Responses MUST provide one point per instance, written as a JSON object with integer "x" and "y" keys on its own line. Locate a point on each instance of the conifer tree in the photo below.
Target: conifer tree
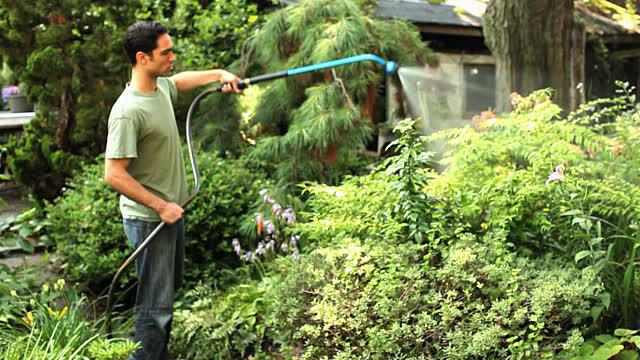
{"x": 69, "y": 55}
{"x": 310, "y": 123}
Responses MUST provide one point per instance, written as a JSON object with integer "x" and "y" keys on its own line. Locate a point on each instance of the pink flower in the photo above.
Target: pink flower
{"x": 557, "y": 175}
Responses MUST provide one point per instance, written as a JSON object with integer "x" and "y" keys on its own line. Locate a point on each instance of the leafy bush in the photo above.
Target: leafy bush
{"x": 227, "y": 324}
{"x": 229, "y": 193}
{"x": 474, "y": 298}
{"x": 86, "y": 228}
{"x": 555, "y": 186}
{"x": 112, "y": 349}
{"x": 24, "y": 230}
{"x": 367, "y": 287}
{"x": 86, "y": 225}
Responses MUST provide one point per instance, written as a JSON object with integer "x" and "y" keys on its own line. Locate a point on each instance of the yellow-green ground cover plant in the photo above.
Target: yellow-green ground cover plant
{"x": 53, "y": 321}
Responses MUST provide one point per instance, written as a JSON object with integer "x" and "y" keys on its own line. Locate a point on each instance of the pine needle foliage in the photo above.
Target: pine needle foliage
{"x": 311, "y": 124}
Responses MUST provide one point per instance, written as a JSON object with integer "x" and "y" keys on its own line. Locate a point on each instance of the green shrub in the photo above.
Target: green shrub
{"x": 36, "y": 161}
{"x": 217, "y": 215}
{"x": 492, "y": 277}
{"x": 86, "y": 228}
{"x": 557, "y": 187}
{"x": 225, "y": 324}
{"x": 23, "y": 229}
{"x": 364, "y": 290}
{"x": 112, "y": 349}
{"x": 86, "y": 225}
{"x": 74, "y": 69}
{"x": 373, "y": 297}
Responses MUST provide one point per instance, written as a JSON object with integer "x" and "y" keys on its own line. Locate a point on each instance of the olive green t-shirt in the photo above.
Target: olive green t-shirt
{"x": 142, "y": 127}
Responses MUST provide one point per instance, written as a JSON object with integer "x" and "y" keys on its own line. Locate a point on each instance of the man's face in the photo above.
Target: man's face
{"x": 160, "y": 63}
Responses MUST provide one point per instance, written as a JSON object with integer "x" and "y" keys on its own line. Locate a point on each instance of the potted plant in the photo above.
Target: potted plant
{"x": 17, "y": 101}
{"x": 11, "y": 93}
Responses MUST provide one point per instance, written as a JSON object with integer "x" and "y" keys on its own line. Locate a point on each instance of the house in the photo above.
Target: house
{"x": 463, "y": 82}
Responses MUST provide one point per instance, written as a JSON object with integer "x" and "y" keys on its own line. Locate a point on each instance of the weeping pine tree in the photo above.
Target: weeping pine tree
{"x": 313, "y": 123}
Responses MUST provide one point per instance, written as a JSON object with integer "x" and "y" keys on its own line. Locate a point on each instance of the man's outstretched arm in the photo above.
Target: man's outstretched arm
{"x": 189, "y": 80}
{"x": 116, "y": 176}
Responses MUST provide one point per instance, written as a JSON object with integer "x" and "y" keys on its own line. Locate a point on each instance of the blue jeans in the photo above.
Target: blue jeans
{"x": 160, "y": 269}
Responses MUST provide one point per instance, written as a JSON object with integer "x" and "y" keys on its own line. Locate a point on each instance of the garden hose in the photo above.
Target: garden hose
{"x": 390, "y": 68}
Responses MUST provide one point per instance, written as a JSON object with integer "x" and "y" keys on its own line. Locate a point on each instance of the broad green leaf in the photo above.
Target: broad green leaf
{"x": 628, "y": 355}
{"x": 624, "y": 332}
{"x": 605, "y": 352}
{"x": 606, "y": 299}
{"x": 581, "y": 255}
{"x": 25, "y": 245}
{"x": 635, "y": 340}
{"x": 24, "y": 231}
{"x": 604, "y": 338}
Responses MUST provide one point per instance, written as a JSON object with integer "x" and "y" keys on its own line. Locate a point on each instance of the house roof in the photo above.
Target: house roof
{"x": 451, "y": 12}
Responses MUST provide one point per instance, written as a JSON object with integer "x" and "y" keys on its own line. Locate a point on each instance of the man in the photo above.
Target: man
{"x": 144, "y": 164}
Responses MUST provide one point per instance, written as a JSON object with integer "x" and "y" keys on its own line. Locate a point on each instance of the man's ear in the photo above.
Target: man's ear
{"x": 142, "y": 58}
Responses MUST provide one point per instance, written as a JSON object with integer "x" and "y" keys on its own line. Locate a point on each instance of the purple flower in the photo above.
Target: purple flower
{"x": 271, "y": 244}
{"x": 270, "y": 227}
{"x": 294, "y": 240}
{"x": 265, "y": 196}
{"x": 236, "y": 246}
{"x": 260, "y": 250}
{"x": 296, "y": 255}
{"x": 249, "y": 256}
{"x": 9, "y": 90}
{"x": 284, "y": 247}
{"x": 276, "y": 208}
{"x": 289, "y": 215}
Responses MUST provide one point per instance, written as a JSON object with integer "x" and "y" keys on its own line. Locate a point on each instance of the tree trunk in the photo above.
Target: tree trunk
{"x": 66, "y": 120}
{"x": 534, "y": 45}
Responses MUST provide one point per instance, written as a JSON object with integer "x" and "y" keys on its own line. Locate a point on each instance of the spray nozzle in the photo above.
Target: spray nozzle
{"x": 390, "y": 67}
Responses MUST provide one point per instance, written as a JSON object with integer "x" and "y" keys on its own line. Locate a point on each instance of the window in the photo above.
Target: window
{"x": 480, "y": 87}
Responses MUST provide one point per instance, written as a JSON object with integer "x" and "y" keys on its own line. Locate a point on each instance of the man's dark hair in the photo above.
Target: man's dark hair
{"x": 142, "y": 36}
